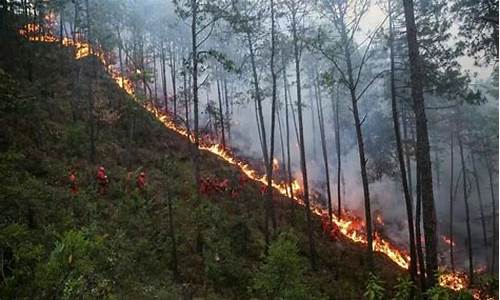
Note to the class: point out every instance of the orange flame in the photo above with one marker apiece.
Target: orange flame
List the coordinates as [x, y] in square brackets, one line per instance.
[350, 226]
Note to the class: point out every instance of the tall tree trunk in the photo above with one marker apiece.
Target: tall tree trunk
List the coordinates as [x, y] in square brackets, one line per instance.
[452, 196]
[270, 210]
[467, 211]
[228, 117]
[405, 120]
[361, 148]
[336, 118]
[221, 114]
[173, 75]
[423, 148]
[321, 121]
[155, 82]
[493, 222]
[282, 143]
[164, 77]
[194, 53]
[287, 127]
[418, 235]
[186, 97]
[313, 124]
[303, 163]
[480, 199]
[263, 139]
[399, 150]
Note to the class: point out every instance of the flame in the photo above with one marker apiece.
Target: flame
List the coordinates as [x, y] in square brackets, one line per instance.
[455, 281]
[350, 227]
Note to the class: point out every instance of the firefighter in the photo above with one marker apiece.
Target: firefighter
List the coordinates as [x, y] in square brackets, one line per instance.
[141, 181]
[72, 181]
[102, 180]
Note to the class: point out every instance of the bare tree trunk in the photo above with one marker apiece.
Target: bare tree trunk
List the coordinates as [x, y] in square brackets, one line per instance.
[164, 77]
[361, 147]
[480, 199]
[336, 118]
[452, 196]
[493, 222]
[267, 160]
[173, 75]
[269, 191]
[282, 143]
[303, 163]
[467, 212]
[405, 119]
[399, 150]
[321, 120]
[313, 124]
[154, 78]
[228, 116]
[221, 114]
[194, 11]
[418, 235]
[423, 148]
[287, 126]
[186, 97]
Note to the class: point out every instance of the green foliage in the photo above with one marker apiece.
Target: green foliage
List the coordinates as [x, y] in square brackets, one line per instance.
[403, 288]
[438, 293]
[281, 274]
[374, 288]
[70, 271]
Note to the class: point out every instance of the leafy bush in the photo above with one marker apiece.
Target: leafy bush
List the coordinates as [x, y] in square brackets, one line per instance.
[374, 288]
[403, 288]
[281, 274]
[70, 271]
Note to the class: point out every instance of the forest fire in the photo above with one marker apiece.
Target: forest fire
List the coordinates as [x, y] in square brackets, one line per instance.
[351, 227]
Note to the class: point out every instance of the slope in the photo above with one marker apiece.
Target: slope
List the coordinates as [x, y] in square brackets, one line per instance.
[56, 243]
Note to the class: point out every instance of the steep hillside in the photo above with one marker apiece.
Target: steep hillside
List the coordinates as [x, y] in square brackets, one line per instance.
[130, 244]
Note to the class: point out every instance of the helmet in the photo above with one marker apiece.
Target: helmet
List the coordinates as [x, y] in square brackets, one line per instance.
[101, 168]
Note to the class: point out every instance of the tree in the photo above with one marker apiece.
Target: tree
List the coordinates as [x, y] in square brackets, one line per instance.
[400, 155]
[478, 28]
[346, 18]
[424, 168]
[298, 10]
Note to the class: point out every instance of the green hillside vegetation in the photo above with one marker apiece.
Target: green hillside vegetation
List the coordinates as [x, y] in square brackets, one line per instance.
[59, 245]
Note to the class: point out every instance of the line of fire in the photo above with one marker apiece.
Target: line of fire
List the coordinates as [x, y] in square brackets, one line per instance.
[349, 225]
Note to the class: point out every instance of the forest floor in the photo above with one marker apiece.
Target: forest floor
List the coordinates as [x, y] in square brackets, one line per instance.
[55, 242]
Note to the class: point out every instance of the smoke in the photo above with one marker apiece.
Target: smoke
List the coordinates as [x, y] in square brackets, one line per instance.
[385, 191]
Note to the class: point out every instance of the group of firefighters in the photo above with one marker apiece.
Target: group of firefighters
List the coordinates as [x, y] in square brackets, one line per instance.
[103, 181]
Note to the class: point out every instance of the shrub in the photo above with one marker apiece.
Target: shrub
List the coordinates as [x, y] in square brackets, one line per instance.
[281, 274]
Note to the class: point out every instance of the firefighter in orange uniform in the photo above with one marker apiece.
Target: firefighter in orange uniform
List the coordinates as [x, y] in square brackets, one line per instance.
[141, 181]
[102, 180]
